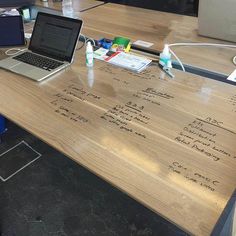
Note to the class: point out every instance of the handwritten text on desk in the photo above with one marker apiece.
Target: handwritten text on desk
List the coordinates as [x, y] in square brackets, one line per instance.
[151, 95]
[232, 101]
[117, 73]
[199, 136]
[80, 93]
[121, 116]
[194, 176]
[63, 101]
[65, 111]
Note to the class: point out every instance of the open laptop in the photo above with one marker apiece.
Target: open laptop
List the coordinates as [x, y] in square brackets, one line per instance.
[51, 48]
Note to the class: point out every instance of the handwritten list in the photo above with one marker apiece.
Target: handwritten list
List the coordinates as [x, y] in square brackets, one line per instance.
[121, 116]
[193, 176]
[64, 100]
[151, 95]
[200, 136]
[61, 107]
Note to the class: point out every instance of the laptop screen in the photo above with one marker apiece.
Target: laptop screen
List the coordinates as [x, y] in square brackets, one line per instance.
[11, 31]
[55, 36]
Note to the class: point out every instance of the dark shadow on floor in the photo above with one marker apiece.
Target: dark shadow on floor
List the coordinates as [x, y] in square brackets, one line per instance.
[55, 196]
[184, 7]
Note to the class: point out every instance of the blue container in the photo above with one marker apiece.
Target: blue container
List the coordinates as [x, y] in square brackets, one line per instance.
[2, 124]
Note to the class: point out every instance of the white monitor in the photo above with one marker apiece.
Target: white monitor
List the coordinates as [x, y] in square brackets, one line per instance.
[216, 19]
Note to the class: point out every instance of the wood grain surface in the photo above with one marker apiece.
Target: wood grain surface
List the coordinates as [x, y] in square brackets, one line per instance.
[156, 27]
[78, 5]
[168, 143]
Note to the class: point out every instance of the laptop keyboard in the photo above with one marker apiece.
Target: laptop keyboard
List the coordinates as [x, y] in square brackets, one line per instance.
[38, 61]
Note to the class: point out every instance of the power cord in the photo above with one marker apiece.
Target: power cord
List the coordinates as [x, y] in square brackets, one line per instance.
[234, 60]
[17, 50]
[203, 44]
[86, 39]
[167, 47]
[180, 63]
[91, 40]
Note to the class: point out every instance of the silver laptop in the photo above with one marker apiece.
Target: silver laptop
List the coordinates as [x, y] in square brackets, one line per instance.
[51, 48]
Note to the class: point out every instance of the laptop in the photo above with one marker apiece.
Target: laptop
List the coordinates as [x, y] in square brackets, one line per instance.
[51, 47]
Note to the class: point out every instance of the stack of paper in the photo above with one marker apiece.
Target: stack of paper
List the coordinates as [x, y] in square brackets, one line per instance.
[129, 61]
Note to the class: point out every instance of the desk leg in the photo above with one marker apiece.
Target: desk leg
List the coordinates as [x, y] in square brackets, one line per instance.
[2, 126]
[229, 228]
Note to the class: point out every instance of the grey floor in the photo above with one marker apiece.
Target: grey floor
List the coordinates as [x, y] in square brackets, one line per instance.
[55, 196]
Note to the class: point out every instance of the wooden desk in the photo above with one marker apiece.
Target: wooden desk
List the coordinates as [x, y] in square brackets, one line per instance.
[158, 27]
[78, 5]
[168, 143]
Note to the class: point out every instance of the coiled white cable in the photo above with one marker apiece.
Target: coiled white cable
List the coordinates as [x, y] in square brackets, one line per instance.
[15, 51]
[86, 39]
[234, 60]
[92, 40]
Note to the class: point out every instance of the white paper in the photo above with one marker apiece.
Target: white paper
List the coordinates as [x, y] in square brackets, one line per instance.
[129, 61]
[232, 77]
[143, 43]
[101, 54]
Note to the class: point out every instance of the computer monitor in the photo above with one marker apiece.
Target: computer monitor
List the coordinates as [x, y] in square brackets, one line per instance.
[15, 3]
[216, 19]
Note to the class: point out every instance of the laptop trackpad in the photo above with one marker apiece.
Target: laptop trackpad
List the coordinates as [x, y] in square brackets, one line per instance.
[8, 63]
[29, 70]
[22, 67]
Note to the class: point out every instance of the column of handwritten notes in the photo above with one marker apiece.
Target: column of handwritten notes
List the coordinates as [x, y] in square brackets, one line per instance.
[121, 117]
[63, 101]
[202, 136]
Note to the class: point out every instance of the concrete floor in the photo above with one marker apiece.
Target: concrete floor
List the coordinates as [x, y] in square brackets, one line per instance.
[55, 196]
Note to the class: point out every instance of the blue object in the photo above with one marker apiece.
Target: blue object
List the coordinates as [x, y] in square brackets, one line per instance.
[105, 43]
[2, 124]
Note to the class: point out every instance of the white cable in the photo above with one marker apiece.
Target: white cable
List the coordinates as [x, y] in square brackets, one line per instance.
[203, 44]
[17, 50]
[92, 40]
[200, 45]
[234, 60]
[181, 64]
[86, 39]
